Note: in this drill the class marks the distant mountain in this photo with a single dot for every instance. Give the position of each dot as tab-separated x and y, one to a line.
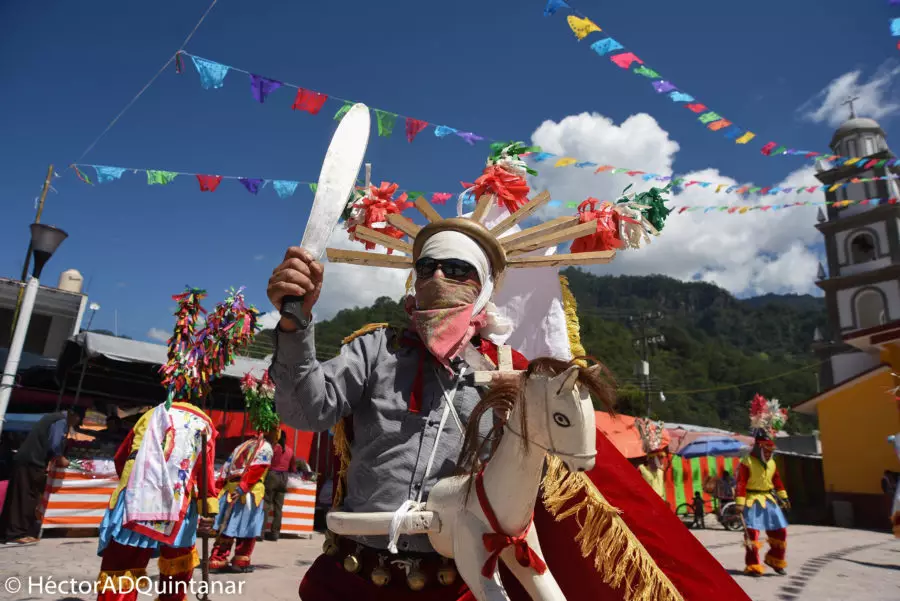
803	302
718	350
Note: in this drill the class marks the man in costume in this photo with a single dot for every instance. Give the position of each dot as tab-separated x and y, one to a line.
242	512
154	511
758	483
653	470
386	392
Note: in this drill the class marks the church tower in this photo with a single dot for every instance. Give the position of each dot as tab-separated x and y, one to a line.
862	245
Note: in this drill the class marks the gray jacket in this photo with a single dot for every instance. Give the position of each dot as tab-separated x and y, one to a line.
372	379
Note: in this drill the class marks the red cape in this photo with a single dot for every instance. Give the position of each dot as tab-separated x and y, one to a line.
696	574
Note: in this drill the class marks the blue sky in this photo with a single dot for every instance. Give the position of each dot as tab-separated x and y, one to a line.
498	68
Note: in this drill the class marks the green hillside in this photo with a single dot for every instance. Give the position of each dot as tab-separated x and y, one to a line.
718	350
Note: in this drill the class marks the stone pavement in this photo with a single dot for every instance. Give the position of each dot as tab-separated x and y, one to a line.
826	564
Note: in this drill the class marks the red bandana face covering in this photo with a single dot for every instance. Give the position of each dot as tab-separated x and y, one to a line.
444	318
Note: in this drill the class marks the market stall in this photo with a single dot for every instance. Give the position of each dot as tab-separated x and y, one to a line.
77	497
120	374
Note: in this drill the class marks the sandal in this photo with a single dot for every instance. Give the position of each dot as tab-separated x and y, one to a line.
24	541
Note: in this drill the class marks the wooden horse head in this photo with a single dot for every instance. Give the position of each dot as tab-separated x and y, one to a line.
548	406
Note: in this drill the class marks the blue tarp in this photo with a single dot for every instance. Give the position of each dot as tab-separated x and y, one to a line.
724	446
21	422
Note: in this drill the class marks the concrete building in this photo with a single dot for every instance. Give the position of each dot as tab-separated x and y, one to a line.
57	316
861	348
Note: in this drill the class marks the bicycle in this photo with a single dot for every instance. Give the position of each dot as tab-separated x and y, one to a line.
727	514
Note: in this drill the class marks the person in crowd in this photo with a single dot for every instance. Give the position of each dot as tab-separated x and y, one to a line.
283	463
758	484
241	509
45	443
725	488
131	533
653	469
699	511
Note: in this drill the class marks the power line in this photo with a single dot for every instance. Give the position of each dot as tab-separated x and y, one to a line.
148	84
750	383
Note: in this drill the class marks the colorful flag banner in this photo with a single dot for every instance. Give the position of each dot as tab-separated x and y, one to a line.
581	26
212	75
626	60
160	177
108	174
286	188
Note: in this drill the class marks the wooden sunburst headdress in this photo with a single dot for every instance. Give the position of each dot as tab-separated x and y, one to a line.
374	218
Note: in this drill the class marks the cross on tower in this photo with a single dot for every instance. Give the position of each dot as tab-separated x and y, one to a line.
850	100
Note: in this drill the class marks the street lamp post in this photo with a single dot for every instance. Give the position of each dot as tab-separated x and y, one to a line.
45	239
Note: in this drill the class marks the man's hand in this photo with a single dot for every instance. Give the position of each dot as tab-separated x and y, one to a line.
204	526
62	462
739	508
298	275
785	503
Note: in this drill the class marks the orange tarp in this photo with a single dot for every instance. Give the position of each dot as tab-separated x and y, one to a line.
621	431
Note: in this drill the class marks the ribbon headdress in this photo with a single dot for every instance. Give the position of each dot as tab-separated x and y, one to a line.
767	418
196	358
259	397
375	219
651	434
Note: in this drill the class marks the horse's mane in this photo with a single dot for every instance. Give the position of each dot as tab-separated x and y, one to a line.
503	398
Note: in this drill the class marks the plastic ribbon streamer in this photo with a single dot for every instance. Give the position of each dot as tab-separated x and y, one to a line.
581	26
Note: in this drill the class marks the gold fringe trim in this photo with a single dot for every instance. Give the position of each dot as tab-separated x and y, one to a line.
573	327
363	331
342	450
115	581
776	563
178	565
777	544
620	559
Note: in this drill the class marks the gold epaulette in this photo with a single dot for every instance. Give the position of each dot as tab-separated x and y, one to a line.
364	330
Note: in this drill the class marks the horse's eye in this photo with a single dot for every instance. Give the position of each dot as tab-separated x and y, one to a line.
561	420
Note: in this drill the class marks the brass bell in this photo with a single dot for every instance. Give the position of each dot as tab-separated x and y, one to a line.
352	563
330	546
446	574
381	576
416	579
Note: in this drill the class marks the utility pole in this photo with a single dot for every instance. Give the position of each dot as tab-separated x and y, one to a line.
645	340
27	264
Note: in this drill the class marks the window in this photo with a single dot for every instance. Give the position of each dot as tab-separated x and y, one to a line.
870	309
868	145
862	248
851	148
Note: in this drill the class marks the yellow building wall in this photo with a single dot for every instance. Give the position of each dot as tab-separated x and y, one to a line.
853	427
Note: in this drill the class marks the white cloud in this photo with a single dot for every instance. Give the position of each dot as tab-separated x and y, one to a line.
877	97
259	257
159	335
638	142
747	254
349	286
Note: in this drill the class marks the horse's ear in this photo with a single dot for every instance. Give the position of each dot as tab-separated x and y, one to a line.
596	370
567	380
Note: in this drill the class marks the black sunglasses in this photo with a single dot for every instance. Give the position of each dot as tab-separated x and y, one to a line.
452	268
